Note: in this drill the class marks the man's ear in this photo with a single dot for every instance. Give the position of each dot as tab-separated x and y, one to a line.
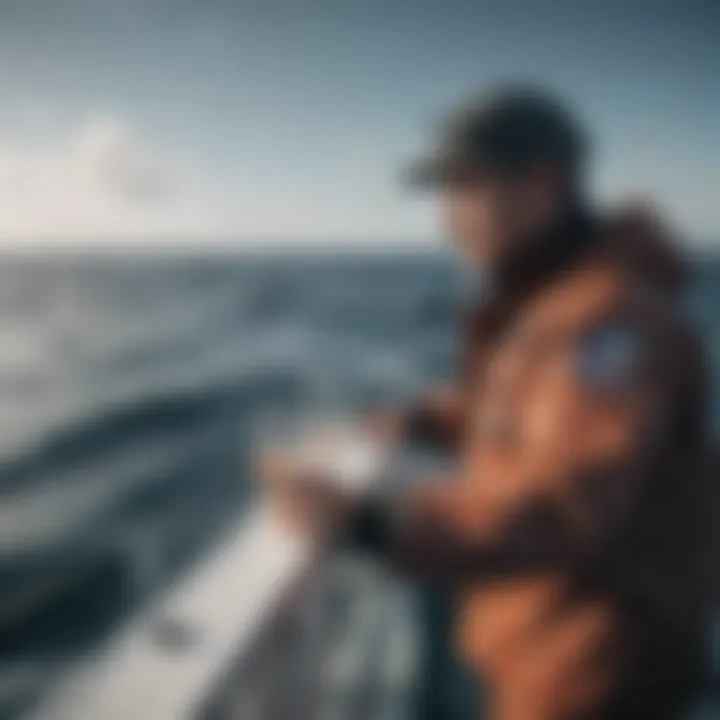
548	188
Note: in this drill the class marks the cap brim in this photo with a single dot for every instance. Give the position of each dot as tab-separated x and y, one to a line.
434	172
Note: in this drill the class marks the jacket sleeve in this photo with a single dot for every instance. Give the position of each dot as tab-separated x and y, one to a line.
624	392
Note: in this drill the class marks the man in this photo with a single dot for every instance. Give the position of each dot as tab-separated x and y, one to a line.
577	534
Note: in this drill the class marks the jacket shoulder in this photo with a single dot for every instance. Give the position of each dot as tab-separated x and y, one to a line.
647	246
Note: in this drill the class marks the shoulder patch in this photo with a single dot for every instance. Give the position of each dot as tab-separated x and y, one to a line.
609	358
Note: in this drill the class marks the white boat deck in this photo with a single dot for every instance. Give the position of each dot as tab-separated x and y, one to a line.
238	639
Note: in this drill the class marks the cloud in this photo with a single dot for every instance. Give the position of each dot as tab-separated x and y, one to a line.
117	161
102	178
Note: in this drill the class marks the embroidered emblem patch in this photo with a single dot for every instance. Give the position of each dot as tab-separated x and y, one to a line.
609	358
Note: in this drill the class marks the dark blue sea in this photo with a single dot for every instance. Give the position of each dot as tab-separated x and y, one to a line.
130	389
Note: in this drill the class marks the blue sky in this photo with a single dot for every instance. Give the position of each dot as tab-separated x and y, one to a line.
290	119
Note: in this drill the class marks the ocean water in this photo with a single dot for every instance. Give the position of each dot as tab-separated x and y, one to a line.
130	389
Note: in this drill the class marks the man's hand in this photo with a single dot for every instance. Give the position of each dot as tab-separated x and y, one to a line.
310	505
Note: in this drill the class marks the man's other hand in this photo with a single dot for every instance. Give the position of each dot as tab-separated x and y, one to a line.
388	426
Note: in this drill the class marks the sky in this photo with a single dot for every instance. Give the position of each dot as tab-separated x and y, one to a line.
289	121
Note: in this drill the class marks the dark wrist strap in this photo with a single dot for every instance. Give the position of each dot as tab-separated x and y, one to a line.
373	528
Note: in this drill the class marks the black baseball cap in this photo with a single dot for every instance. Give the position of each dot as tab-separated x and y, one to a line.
507	130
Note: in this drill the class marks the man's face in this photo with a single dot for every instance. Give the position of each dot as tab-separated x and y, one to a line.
489	218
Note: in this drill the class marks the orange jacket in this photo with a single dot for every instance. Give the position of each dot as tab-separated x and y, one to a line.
580	529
